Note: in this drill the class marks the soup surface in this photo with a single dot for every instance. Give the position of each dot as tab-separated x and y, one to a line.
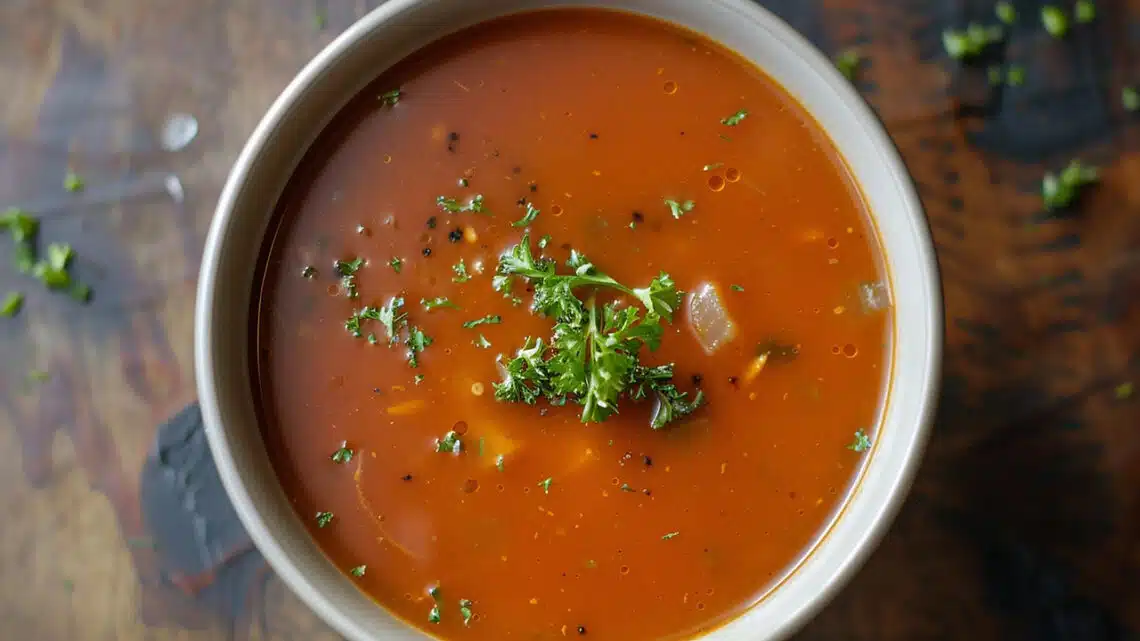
646	149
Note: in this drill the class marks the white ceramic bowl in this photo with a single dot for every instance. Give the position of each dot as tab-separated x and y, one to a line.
391	32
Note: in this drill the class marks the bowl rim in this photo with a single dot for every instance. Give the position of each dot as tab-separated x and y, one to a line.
878	519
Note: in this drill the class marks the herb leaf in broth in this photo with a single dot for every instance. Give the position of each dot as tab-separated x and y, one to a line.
735	119
358	571
481	342
861	442
670	535
532	212
437	302
453	206
545	484
460	270
450	442
416	342
343	454
465	611
672	403
679	209
390	316
391	98
490	319
396	264
324	518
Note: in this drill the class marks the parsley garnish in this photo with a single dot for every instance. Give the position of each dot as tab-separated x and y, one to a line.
847	62
418	378
324	518
490	319
437	302
452	206
417	342
13	301
736	288
72	182
862	442
499	462
544	241
545	484
626	487
1130	99
358	571
308	272
1055	21
593	357
970	43
390	98
680	209
389	315
461	275
532	212
1084	11
450	442
1059	191
481	342
1005	12
712	166
396	264
465	611
343	454
669	536
735	118
347	271
433	614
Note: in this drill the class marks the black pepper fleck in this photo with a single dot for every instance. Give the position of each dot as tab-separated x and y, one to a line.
646	492
431	222
376	390
593	136
406	477
533	187
521	202
427	252
698	379
638	217
581	629
452	138
648	461
516	170
455	235
732	380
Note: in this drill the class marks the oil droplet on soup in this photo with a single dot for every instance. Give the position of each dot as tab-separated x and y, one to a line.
617	174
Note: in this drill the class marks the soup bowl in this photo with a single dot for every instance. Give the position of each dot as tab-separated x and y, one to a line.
223	319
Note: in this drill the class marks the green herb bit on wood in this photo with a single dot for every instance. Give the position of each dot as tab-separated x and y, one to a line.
450	442
437	302
343	454
490	319
679	209
1059	191
847	62
545	484
453	206
358	571
861	443
972	41
460	270
735	119
532	212
11	305
324	518
1130	99
72	182
1006	12
390	98
1055	21
1084	11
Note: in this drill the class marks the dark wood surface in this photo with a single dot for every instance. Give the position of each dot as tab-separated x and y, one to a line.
1024	522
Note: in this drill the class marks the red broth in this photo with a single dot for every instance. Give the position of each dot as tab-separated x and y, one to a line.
596	118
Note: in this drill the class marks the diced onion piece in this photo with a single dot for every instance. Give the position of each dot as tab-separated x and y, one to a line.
708	318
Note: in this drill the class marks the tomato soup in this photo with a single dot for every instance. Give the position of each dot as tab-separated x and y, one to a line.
458	310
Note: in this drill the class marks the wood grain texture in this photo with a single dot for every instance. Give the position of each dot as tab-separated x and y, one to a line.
1025	519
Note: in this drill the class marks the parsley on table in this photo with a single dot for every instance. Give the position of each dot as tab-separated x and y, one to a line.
324	518
343	454
481	342
735	118
545	484
433	614
861	443
544	241
461	275
72	182
453	206
416	342
1005	12
490	319
390	98
532	212
847	62
670	536
971	42
1058	191
308	272
437	302
397	264
11	305
679	209
1055	21
358	571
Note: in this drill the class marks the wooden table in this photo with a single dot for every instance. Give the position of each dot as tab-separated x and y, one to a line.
1024	522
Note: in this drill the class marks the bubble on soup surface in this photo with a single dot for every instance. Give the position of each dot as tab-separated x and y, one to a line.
874	296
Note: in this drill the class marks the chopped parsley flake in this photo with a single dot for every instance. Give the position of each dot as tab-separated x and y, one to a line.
669	536
544	241
461	275
736	288
436	303
433	614
452	206
1084	11
1055	21
545	484
396	264
847	62
358	571
862	442
465	610
1130	99
735	118
416	342
1005	12
347	271
500	462
1059	191
343	454
679	209
971	42
390	316
481	342
712	166
390	98
324	518
626	487
11	305
418	378
450	442
72	182
532	212
490	319
1015	76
